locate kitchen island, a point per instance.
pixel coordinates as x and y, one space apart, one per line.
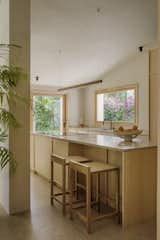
137 162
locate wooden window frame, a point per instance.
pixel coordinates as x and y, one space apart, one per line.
65 108
114 89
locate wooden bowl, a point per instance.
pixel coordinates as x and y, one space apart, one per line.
128 135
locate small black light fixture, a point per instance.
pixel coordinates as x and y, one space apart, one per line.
140 48
37 78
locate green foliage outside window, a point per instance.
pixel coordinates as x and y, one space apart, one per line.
47 111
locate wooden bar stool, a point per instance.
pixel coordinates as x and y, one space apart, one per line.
88 170
64 163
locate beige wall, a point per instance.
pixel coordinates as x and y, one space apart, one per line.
19 138
75 106
4 22
154 89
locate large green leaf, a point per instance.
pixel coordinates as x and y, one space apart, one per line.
9 46
8 119
9 76
3 135
6 157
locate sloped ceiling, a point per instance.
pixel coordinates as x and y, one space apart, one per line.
76 41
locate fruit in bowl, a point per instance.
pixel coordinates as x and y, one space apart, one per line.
128 134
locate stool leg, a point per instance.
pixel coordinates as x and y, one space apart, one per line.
118 193
99 203
88 202
97 188
107 187
64 188
75 185
52 182
70 183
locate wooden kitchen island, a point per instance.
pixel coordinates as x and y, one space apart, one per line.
137 162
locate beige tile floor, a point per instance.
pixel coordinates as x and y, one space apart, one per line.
46 223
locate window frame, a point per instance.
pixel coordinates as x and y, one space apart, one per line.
116 89
65 109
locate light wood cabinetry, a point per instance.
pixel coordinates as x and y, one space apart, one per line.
139 185
41 148
154 92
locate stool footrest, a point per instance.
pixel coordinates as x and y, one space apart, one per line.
80 204
60 202
95 218
77 202
81 186
100 217
60 194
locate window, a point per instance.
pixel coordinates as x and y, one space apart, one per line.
117 105
47 113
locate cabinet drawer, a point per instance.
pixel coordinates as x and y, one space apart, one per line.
60 147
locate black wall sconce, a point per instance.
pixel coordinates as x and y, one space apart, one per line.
37 78
140 48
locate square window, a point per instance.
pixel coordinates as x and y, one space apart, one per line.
117 105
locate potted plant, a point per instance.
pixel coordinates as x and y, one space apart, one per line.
9 77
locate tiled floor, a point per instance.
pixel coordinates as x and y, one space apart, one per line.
46 223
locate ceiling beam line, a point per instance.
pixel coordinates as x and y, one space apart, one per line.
80 85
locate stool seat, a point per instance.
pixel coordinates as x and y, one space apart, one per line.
75 158
96 167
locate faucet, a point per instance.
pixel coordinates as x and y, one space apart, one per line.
111 125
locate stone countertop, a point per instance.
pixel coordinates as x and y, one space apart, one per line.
103 129
108 142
